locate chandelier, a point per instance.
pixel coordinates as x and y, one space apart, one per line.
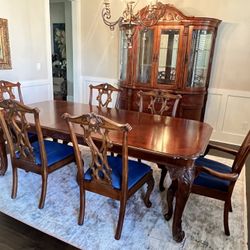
145 18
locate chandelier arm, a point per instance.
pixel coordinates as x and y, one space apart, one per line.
106 15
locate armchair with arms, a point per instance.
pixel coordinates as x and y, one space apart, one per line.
217 180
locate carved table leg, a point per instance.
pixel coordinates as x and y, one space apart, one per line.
184 187
170 196
3 155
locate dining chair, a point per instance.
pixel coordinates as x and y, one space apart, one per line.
217 180
42 156
114 177
162 103
7 90
105 91
10 90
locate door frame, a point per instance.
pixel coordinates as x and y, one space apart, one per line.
76 46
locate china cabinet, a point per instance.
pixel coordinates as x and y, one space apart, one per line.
175 55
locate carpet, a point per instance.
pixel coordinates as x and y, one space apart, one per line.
144 228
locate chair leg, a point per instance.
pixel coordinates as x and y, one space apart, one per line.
44 190
82 205
226 211
118 232
15 182
230 206
150 188
163 175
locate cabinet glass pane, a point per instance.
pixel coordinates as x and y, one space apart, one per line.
169 42
123 56
199 58
144 56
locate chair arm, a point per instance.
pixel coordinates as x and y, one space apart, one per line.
221 148
224 176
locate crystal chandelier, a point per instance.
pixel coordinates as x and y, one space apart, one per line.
146 18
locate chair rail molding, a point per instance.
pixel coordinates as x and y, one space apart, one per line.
228 113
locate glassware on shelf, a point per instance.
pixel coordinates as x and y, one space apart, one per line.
144 56
169 43
199 58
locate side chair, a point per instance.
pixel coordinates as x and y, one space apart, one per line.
104 96
7 90
162 103
114 177
41 157
217 180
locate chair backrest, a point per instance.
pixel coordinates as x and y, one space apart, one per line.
104 96
242 155
96 134
15 128
6 91
160 102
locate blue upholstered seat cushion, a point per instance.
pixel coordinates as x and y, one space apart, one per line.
208 180
55 151
136 170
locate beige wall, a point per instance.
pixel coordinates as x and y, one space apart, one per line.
232 53
100 46
26 22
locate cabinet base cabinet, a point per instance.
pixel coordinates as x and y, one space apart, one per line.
191 105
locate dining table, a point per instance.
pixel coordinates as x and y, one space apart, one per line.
174 142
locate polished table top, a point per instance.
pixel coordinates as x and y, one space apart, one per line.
172 137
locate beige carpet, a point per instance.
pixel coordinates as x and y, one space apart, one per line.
144 228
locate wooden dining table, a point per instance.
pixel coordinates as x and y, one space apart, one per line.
174 142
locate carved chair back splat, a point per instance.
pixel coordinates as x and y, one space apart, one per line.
161 102
107 175
104 96
6 90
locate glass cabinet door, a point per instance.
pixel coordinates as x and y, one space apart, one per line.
144 56
167 59
123 56
201 45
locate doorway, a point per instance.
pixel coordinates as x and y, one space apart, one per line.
61 49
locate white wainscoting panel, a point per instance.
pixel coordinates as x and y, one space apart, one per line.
87 80
228 112
36 91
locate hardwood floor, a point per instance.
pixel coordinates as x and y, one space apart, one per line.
15 235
